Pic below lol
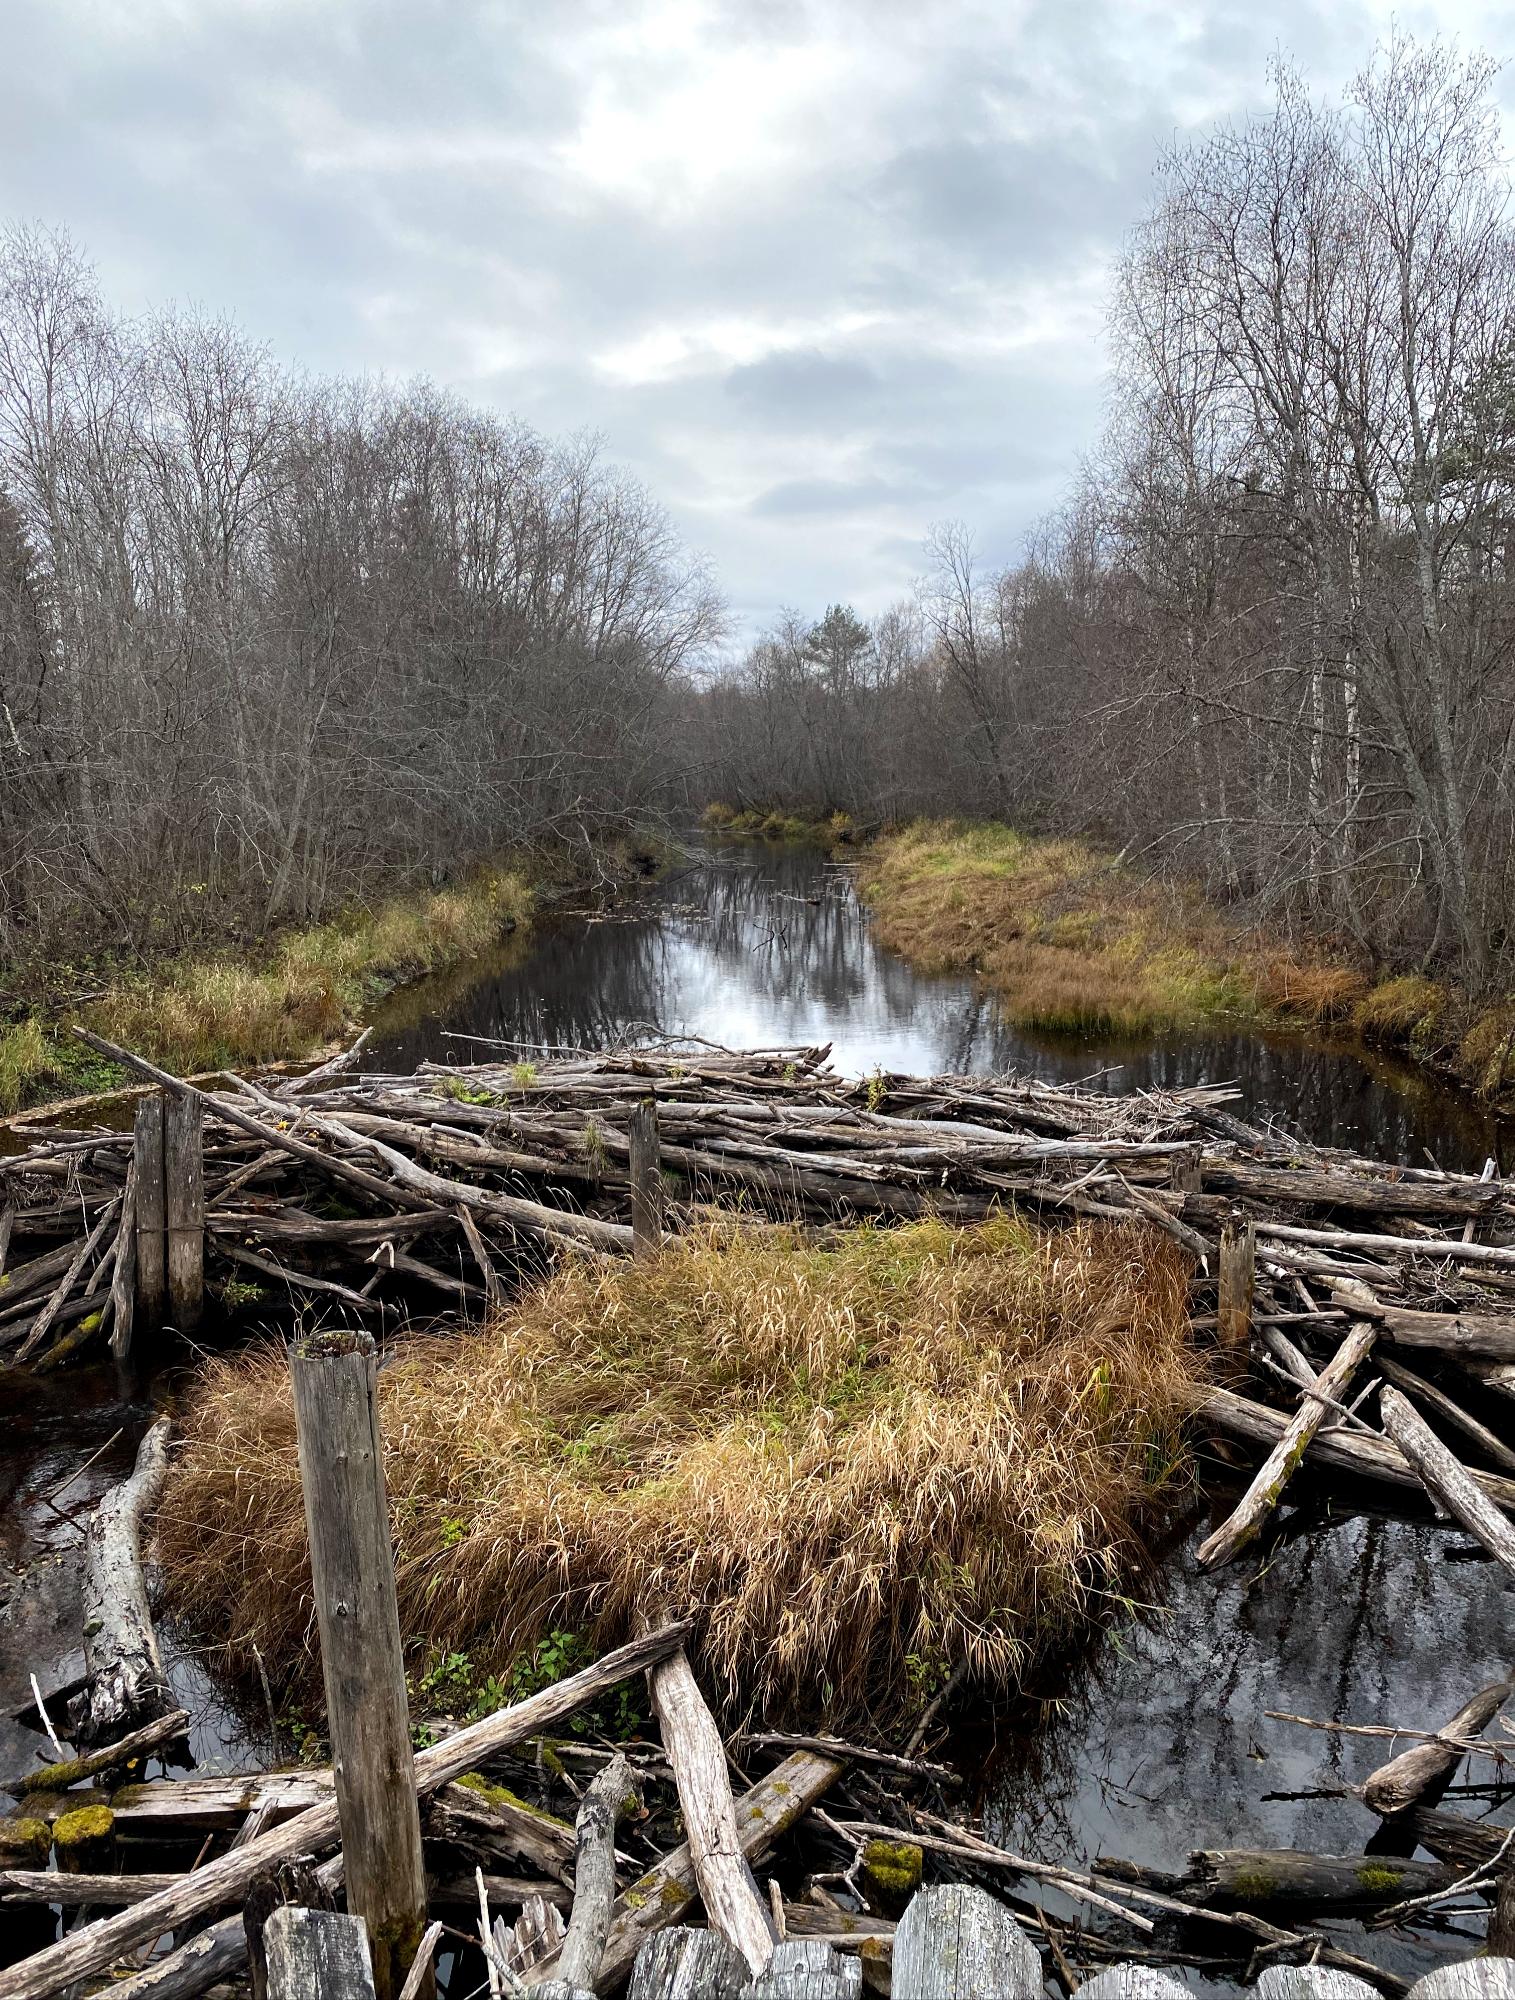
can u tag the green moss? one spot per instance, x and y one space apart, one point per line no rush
1255 1885
82 1827
893 1869
23 1839
1379 1878
502 1795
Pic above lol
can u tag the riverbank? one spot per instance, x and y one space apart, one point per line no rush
274 1002
1073 940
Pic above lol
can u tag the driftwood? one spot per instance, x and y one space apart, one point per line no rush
613 1794
1262 1496
156 1735
1447 1482
1235 1878
665 1892
125 1683
317 1955
698 1756
1410 1778
958 1943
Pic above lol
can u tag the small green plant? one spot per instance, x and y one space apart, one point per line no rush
878 1090
236 1293
453 1531
592 1140
523 1074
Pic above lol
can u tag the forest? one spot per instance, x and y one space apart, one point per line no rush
1266 645
268 643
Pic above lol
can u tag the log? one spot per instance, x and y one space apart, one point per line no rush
1310 1982
665 1892
151 1219
221 1881
1145 1982
613 1794
1411 1384
955 1942
66 1283
698 1756
69 1891
1450 1837
1406 1780
1449 1483
1473 1979
1243 1878
109 1757
492 1827
1266 1489
1458 1336
1363 1456
124 1680
687 1964
334 1377
806 1969
317 1955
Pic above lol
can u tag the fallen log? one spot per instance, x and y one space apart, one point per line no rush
1409 1779
1416 1386
1262 1496
98 1945
698 1756
1366 1457
124 1679
109 1757
1476 1335
1449 1483
664 1893
613 1794
1242 1878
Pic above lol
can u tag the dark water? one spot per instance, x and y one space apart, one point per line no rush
1156 1742
754 946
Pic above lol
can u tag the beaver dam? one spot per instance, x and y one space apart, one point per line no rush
784 1421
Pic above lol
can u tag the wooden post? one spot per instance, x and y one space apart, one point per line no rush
647 1205
151 1216
184 1200
1185 1173
1238 1272
353 1577
317 1955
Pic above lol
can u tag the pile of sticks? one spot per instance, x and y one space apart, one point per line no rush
377 1192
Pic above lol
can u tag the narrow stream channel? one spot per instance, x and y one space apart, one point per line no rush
1157 1741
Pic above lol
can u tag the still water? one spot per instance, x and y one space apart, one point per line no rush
1157 1741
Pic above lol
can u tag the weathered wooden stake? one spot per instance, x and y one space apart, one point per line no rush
317 1955
184 1195
647 1203
352 1570
1238 1273
1185 1173
151 1214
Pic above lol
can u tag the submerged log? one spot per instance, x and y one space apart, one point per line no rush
125 1682
1247 1878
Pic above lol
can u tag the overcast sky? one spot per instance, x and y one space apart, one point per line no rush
822 274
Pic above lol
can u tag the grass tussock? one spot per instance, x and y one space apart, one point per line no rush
308 986
855 1467
831 829
1071 939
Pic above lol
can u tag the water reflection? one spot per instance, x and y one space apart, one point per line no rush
754 946
1159 1742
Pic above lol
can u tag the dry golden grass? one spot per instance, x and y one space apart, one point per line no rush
1070 939
853 1466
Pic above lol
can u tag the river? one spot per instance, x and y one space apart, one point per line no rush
1156 1740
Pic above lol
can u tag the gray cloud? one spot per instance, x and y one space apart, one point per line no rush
821 271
